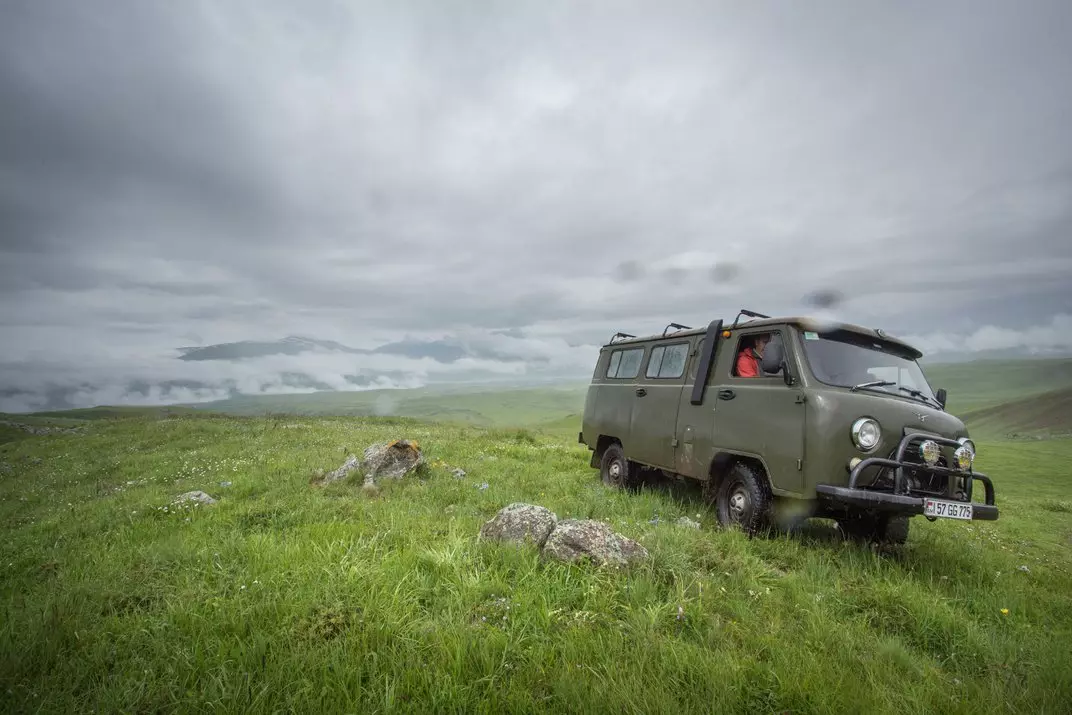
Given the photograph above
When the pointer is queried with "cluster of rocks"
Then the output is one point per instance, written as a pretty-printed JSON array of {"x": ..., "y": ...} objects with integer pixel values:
[
  {"x": 571, "y": 540},
  {"x": 388, "y": 460}
]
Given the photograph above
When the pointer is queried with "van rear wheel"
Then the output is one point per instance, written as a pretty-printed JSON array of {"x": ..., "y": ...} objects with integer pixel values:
[
  {"x": 744, "y": 500},
  {"x": 616, "y": 471}
]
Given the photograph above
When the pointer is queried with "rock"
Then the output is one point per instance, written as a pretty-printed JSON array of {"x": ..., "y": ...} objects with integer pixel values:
[
  {"x": 458, "y": 473},
  {"x": 577, "y": 539},
  {"x": 392, "y": 460},
  {"x": 687, "y": 523},
  {"x": 520, "y": 523},
  {"x": 1025, "y": 569},
  {"x": 348, "y": 466},
  {"x": 195, "y": 496}
]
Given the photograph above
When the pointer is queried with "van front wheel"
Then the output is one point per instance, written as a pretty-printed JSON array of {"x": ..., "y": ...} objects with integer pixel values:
[{"x": 744, "y": 500}]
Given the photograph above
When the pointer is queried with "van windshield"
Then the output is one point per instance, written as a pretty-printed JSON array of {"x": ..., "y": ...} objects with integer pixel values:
[{"x": 846, "y": 359}]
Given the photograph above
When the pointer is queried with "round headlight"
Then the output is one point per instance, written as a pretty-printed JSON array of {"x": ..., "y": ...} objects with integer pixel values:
[
  {"x": 929, "y": 451},
  {"x": 968, "y": 444},
  {"x": 866, "y": 433},
  {"x": 963, "y": 457}
]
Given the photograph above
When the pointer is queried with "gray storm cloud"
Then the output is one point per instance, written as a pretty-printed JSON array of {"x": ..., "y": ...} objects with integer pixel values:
[{"x": 364, "y": 171}]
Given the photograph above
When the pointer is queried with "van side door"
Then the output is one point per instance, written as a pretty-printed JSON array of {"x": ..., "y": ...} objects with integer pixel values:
[
  {"x": 761, "y": 417},
  {"x": 658, "y": 392}
]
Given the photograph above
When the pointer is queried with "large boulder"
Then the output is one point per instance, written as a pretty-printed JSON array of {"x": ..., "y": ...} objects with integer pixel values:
[
  {"x": 580, "y": 539},
  {"x": 520, "y": 523},
  {"x": 392, "y": 460}
]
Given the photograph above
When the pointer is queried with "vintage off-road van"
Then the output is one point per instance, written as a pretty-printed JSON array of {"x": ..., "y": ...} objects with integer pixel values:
[{"x": 838, "y": 422}]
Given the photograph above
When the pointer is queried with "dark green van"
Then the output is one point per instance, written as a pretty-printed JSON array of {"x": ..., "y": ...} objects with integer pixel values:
[{"x": 838, "y": 421}]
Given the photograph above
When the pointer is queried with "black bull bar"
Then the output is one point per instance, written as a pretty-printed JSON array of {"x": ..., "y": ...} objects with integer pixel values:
[{"x": 900, "y": 499}]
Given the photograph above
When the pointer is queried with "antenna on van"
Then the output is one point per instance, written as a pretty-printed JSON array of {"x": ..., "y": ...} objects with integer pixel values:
[
  {"x": 621, "y": 335},
  {"x": 749, "y": 313},
  {"x": 679, "y": 326}
]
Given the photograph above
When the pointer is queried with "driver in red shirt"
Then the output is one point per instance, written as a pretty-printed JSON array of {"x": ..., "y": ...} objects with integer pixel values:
[{"x": 748, "y": 359}]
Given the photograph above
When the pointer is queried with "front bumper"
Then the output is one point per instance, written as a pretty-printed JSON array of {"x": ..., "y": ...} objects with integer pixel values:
[{"x": 900, "y": 500}]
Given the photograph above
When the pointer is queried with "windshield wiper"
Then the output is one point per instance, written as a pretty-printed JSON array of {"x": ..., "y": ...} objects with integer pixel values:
[
  {"x": 919, "y": 394},
  {"x": 875, "y": 383}
]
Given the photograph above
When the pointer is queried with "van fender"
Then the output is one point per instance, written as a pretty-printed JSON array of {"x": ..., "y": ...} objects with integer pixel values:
[{"x": 724, "y": 459}]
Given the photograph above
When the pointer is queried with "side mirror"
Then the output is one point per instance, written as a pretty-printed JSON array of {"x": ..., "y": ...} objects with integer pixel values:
[
  {"x": 940, "y": 396},
  {"x": 789, "y": 379}
]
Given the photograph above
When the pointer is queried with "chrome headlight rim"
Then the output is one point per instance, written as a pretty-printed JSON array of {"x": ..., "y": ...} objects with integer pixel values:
[
  {"x": 857, "y": 429},
  {"x": 967, "y": 443},
  {"x": 961, "y": 451}
]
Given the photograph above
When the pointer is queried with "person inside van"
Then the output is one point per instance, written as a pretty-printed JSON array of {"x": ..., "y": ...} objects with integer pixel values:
[{"x": 748, "y": 361}]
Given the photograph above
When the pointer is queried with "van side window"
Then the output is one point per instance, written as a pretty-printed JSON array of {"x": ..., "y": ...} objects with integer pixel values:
[
  {"x": 668, "y": 361},
  {"x": 625, "y": 364},
  {"x": 673, "y": 364},
  {"x": 654, "y": 361},
  {"x": 745, "y": 344},
  {"x": 615, "y": 360}
]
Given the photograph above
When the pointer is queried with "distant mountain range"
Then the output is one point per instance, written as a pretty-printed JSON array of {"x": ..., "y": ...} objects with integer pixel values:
[{"x": 443, "y": 351}]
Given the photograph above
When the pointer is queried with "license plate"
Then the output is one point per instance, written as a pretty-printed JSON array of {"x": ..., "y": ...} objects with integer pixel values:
[{"x": 947, "y": 509}]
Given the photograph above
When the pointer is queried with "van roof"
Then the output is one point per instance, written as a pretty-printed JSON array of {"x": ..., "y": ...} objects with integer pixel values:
[{"x": 803, "y": 322}]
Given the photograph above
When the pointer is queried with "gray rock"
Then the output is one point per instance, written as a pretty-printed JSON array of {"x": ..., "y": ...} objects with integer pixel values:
[
  {"x": 348, "y": 466},
  {"x": 520, "y": 523},
  {"x": 687, "y": 523},
  {"x": 579, "y": 539},
  {"x": 458, "y": 473},
  {"x": 195, "y": 496},
  {"x": 392, "y": 460}
]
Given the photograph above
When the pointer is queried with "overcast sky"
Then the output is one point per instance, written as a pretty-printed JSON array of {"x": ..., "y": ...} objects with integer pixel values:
[{"x": 185, "y": 173}]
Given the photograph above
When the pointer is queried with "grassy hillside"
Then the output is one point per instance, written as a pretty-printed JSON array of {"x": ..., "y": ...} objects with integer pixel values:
[
  {"x": 288, "y": 597},
  {"x": 1044, "y": 414},
  {"x": 984, "y": 383},
  {"x": 476, "y": 406}
]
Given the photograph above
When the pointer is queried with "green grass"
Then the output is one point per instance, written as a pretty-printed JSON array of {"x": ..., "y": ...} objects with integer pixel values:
[{"x": 290, "y": 597}]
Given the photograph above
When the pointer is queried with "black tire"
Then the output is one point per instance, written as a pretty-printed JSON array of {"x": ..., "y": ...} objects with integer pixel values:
[
  {"x": 744, "y": 500},
  {"x": 616, "y": 471},
  {"x": 875, "y": 529}
]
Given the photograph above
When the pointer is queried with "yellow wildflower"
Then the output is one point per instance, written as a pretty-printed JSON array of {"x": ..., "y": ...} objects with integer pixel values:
[{"x": 1004, "y": 611}]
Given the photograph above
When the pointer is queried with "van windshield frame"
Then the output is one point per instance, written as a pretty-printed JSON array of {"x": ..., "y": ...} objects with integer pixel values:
[{"x": 844, "y": 358}]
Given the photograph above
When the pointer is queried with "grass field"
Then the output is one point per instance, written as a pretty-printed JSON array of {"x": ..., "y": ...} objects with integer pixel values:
[{"x": 288, "y": 597}]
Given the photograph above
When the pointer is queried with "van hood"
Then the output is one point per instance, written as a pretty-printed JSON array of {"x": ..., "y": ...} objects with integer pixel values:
[{"x": 835, "y": 410}]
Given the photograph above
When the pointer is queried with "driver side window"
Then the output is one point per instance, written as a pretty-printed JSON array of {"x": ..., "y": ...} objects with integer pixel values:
[{"x": 768, "y": 364}]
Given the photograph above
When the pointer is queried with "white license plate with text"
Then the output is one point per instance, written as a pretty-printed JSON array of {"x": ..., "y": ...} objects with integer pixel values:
[{"x": 947, "y": 509}]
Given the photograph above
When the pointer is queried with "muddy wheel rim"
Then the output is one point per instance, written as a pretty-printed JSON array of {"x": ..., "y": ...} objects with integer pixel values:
[
  {"x": 739, "y": 504},
  {"x": 614, "y": 472}
]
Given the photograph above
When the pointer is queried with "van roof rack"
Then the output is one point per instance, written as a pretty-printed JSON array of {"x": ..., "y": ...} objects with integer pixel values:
[
  {"x": 749, "y": 313},
  {"x": 621, "y": 335},
  {"x": 678, "y": 326}
]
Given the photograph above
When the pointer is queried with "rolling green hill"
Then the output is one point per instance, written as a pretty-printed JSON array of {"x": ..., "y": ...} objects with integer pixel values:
[
  {"x": 477, "y": 406},
  {"x": 1047, "y": 413},
  {"x": 976, "y": 390},
  {"x": 984, "y": 383}
]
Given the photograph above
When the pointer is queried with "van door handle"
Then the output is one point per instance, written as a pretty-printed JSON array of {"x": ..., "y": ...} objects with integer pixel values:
[
  {"x": 726, "y": 394},
  {"x": 640, "y": 391}
]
